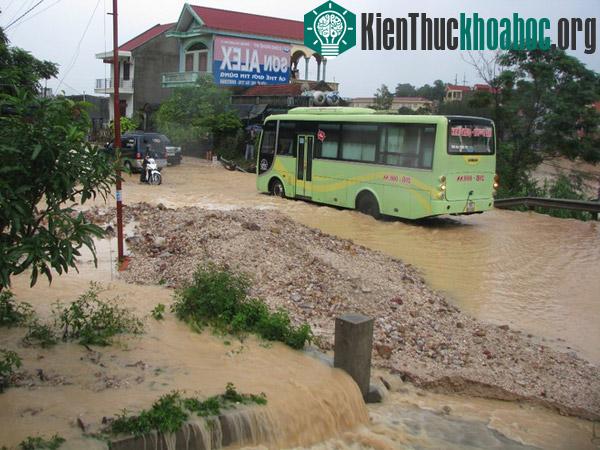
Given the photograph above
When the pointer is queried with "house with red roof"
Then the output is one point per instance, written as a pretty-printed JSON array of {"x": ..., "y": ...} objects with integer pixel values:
[
  {"x": 239, "y": 50},
  {"x": 142, "y": 61},
  {"x": 455, "y": 93}
]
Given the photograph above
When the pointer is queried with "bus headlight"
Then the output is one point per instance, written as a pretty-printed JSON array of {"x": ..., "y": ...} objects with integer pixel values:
[
  {"x": 440, "y": 195},
  {"x": 442, "y": 187},
  {"x": 443, "y": 179}
]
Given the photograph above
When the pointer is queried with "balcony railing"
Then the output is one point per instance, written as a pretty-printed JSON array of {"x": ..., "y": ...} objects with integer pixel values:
[
  {"x": 106, "y": 84},
  {"x": 174, "y": 79}
]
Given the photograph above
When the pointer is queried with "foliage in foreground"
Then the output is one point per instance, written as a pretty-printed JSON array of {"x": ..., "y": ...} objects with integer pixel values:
[
  {"x": 171, "y": 411},
  {"x": 13, "y": 313},
  {"x": 40, "y": 334},
  {"x": 158, "y": 312},
  {"x": 39, "y": 443},
  {"x": 219, "y": 297},
  {"x": 94, "y": 321},
  {"x": 9, "y": 361},
  {"x": 47, "y": 167}
]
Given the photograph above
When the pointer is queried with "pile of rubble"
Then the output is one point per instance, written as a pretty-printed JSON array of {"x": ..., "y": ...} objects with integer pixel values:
[{"x": 317, "y": 277}]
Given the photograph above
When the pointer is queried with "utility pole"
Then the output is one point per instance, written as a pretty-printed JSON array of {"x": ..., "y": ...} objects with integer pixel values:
[{"x": 117, "y": 127}]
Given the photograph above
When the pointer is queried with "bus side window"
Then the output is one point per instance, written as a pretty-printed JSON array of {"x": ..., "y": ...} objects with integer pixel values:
[
  {"x": 409, "y": 145},
  {"x": 427, "y": 146},
  {"x": 359, "y": 142},
  {"x": 328, "y": 139},
  {"x": 267, "y": 145},
  {"x": 286, "y": 139}
]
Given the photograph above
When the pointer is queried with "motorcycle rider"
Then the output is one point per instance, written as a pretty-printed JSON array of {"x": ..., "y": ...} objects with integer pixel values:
[{"x": 147, "y": 155}]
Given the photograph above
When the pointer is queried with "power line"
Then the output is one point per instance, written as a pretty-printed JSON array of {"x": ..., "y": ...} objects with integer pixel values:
[
  {"x": 24, "y": 14},
  {"x": 39, "y": 12},
  {"x": 78, "y": 48}
]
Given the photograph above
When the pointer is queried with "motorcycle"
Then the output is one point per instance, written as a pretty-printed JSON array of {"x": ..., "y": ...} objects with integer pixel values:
[{"x": 153, "y": 175}]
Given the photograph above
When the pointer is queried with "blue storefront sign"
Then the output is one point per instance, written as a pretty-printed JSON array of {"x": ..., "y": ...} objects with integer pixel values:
[{"x": 247, "y": 62}]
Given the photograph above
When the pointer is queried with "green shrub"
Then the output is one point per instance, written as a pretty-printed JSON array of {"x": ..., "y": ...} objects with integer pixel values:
[
  {"x": 9, "y": 361},
  {"x": 94, "y": 321},
  {"x": 39, "y": 443},
  {"x": 218, "y": 297},
  {"x": 212, "y": 297},
  {"x": 40, "y": 334},
  {"x": 158, "y": 312},
  {"x": 13, "y": 313},
  {"x": 171, "y": 411}
]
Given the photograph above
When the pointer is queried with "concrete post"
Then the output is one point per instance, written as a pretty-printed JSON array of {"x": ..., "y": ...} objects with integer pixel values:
[
  {"x": 353, "y": 346},
  {"x": 318, "y": 70},
  {"x": 306, "y": 60},
  {"x": 324, "y": 68}
]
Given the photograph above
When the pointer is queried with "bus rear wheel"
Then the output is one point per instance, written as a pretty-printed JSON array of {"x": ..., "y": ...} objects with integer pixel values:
[
  {"x": 367, "y": 204},
  {"x": 277, "y": 188}
]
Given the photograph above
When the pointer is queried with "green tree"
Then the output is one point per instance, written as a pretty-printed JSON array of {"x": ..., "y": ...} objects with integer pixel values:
[
  {"x": 47, "y": 168},
  {"x": 19, "y": 69},
  {"x": 196, "y": 112},
  {"x": 405, "y": 90},
  {"x": 547, "y": 110},
  {"x": 436, "y": 93},
  {"x": 542, "y": 104},
  {"x": 383, "y": 98}
]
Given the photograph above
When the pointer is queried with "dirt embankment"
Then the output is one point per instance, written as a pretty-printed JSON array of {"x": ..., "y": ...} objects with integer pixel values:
[{"x": 317, "y": 277}]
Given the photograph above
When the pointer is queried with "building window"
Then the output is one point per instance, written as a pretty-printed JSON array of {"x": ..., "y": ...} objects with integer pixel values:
[
  {"x": 196, "y": 58},
  {"x": 126, "y": 70}
]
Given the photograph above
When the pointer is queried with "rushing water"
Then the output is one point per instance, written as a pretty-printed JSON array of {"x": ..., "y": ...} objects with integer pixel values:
[
  {"x": 534, "y": 272},
  {"x": 307, "y": 400}
]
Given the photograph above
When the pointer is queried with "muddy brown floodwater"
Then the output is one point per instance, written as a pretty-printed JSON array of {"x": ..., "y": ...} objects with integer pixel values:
[{"x": 534, "y": 272}]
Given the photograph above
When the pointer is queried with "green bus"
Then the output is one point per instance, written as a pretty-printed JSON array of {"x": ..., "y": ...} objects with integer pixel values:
[{"x": 380, "y": 164}]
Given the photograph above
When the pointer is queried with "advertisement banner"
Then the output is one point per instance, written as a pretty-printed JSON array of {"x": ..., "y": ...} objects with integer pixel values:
[{"x": 246, "y": 62}]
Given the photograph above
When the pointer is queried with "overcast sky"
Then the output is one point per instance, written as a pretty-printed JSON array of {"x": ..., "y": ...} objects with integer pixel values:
[{"x": 55, "y": 31}]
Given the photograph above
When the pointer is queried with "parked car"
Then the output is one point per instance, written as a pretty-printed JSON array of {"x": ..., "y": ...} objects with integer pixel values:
[
  {"x": 173, "y": 154},
  {"x": 134, "y": 145}
]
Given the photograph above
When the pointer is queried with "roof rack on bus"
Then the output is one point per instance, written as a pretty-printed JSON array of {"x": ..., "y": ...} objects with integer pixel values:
[{"x": 330, "y": 110}]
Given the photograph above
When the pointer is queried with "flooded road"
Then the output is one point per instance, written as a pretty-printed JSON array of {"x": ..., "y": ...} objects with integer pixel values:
[
  {"x": 530, "y": 271},
  {"x": 493, "y": 266}
]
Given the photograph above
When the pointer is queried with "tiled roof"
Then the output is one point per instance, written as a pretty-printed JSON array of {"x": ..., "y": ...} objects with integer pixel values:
[
  {"x": 141, "y": 39},
  {"x": 454, "y": 87},
  {"x": 220, "y": 19}
]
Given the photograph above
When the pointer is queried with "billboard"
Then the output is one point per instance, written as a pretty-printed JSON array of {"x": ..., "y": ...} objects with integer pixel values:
[{"x": 246, "y": 62}]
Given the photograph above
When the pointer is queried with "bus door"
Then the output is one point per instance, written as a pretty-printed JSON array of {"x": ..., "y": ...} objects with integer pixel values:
[{"x": 304, "y": 146}]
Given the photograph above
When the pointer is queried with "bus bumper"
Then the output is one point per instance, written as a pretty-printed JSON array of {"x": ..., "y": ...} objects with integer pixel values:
[{"x": 479, "y": 205}]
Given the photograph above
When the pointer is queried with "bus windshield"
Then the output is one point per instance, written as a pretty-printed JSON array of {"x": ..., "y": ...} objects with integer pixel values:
[{"x": 470, "y": 136}]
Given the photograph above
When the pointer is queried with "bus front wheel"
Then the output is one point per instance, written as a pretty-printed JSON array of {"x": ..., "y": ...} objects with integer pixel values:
[
  {"x": 367, "y": 204},
  {"x": 277, "y": 188}
]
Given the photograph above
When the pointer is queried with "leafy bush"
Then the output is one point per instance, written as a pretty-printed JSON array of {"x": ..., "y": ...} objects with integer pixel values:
[
  {"x": 158, "y": 312},
  {"x": 9, "y": 361},
  {"x": 170, "y": 411},
  {"x": 40, "y": 334},
  {"x": 94, "y": 321},
  {"x": 47, "y": 168},
  {"x": 13, "y": 313},
  {"x": 39, "y": 443},
  {"x": 219, "y": 297}
]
